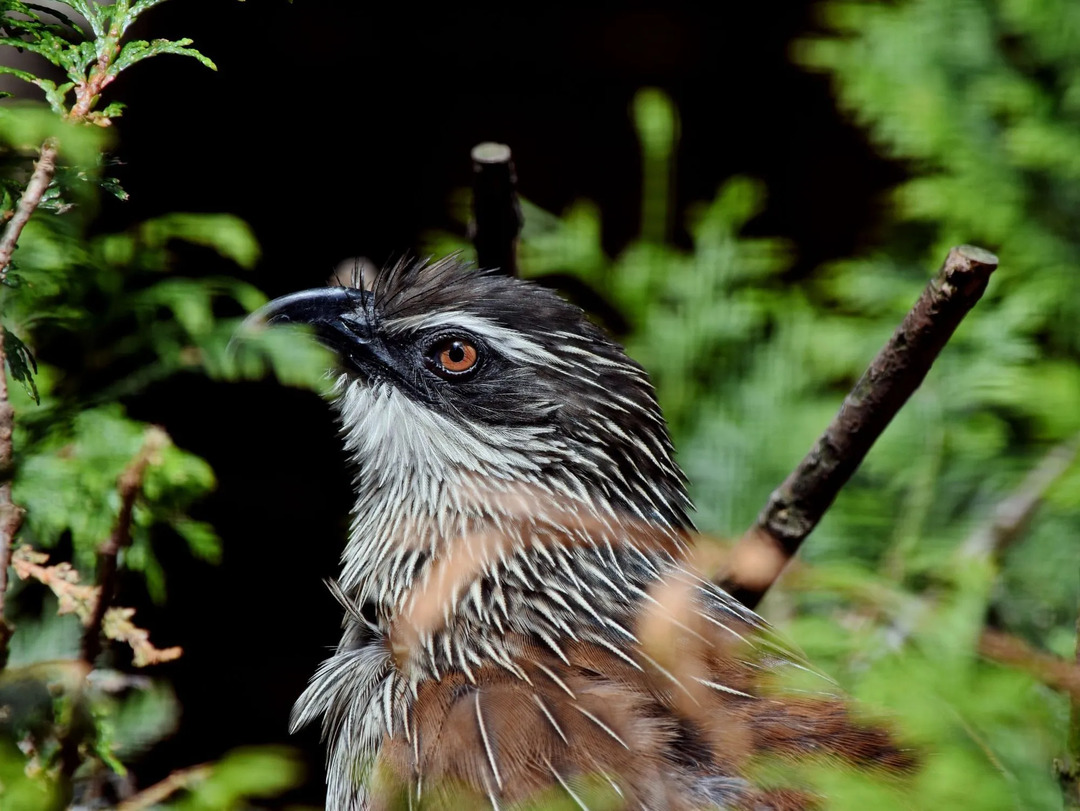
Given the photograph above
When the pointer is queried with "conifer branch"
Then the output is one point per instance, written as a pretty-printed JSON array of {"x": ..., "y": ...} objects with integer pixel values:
[{"x": 162, "y": 790}]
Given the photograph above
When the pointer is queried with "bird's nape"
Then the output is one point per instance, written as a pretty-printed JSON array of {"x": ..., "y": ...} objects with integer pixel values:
[{"x": 522, "y": 614}]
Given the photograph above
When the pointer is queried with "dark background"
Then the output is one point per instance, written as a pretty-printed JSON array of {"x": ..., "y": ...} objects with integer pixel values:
[{"x": 341, "y": 129}]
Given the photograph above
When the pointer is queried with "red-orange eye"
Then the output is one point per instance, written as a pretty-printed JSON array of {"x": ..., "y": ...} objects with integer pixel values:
[{"x": 455, "y": 356}]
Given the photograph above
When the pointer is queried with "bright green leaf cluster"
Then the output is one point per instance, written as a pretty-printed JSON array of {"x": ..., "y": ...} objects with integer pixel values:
[
  {"x": 242, "y": 773},
  {"x": 91, "y": 60}
]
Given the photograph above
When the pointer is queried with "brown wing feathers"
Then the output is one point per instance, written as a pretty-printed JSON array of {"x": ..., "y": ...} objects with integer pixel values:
[{"x": 507, "y": 738}]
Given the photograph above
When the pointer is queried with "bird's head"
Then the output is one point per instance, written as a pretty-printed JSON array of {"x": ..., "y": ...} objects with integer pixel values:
[{"x": 449, "y": 372}]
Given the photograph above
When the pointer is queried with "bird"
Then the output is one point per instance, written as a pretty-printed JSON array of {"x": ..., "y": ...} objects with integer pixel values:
[{"x": 523, "y": 620}]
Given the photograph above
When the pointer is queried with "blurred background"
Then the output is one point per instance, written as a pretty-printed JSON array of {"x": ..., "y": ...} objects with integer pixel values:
[{"x": 750, "y": 196}]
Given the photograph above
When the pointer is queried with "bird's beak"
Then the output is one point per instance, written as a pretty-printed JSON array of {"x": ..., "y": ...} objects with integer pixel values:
[{"x": 338, "y": 315}]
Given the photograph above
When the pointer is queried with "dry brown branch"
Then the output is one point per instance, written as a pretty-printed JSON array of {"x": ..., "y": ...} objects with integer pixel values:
[
  {"x": 796, "y": 507},
  {"x": 1012, "y": 515},
  {"x": 44, "y": 169},
  {"x": 129, "y": 485},
  {"x": 11, "y": 515},
  {"x": 1068, "y": 768},
  {"x": 83, "y": 601},
  {"x": 161, "y": 791},
  {"x": 496, "y": 213},
  {"x": 1053, "y": 671},
  {"x": 62, "y": 579},
  {"x": 117, "y": 625}
]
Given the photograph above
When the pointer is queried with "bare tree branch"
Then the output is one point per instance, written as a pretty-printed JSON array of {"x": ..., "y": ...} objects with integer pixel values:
[
  {"x": 796, "y": 507},
  {"x": 496, "y": 212},
  {"x": 1069, "y": 768},
  {"x": 161, "y": 791},
  {"x": 1053, "y": 671},
  {"x": 11, "y": 515},
  {"x": 44, "y": 169},
  {"x": 129, "y": 485}
]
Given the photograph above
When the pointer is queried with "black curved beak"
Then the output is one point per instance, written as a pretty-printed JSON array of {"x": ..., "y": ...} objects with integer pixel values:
[
  {"x": 340, "y": 317},
  {"x": 335, "y": 313}
]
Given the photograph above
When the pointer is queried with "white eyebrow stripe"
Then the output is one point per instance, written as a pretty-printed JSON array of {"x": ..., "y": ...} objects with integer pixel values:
[{"x": 508, "y": 342}]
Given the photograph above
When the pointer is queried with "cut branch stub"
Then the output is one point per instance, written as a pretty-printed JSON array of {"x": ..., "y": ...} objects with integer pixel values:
[
  {"x": 796, "y": 507},
  {"x": 496, "y": 212}
]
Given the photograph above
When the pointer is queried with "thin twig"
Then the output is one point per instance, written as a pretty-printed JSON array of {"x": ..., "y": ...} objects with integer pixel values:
[
  {"x": 44, "y": 169},
  {"x": 496, "y": 212},
  {"x": 796, "y": 507},
  {"x": 1053, "y": 671},
  {"x": 1068, "y": 768},
  {"x": 11, "y": 515},
  {"x": 1012, "y": 515},
  {"x": 129, "y": 485},
  {"x": 157, "y": 793},
  {"x": 1009, "y": 520}
]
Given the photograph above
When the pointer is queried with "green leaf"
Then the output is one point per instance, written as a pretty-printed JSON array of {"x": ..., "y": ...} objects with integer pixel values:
[
  {"x": 295, "y": 358},
  {"x": 143, "y": 717},
  {"x": 202, "y": 539},
  {"x": 177, "y": 480},
  {"x": 138, "y": 50},
  {"x": 94, "y": 13},
  {"x": 47, "y": 50},
  {"x": 656, "y": 122},
  {"x": 30, "y": 78},
  {"x": 114, "y": 110},
  {"x": 142, "y": 5},
  {"x": 225, "y": 233},
  {"x": 243, "y": 773},
  {"x": 113, "y": 187},
  {"x": 27, "y": 126},
  {"x": 22, "y": 788},
  {"x": 58, "y": 14},
  {"x": 21, "y": 363}
]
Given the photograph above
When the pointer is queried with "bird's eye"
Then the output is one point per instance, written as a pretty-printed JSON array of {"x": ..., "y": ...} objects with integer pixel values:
[{"x": 454, "y": 357}]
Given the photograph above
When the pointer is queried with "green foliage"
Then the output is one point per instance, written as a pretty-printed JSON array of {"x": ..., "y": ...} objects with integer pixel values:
[
  {"x": 242, "y": 774},
  {"x": 133, "y": 323},
  {"x": 20, "y": 789},
  {"x": 986, "y": 107},
  {"x": 113, "y": 311},
  {"x": 89, "y": 59},
  {"x": 750, "y": 368},
  {"x": 979, "y": 98},
  {"x": 67, "y": 484}
]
